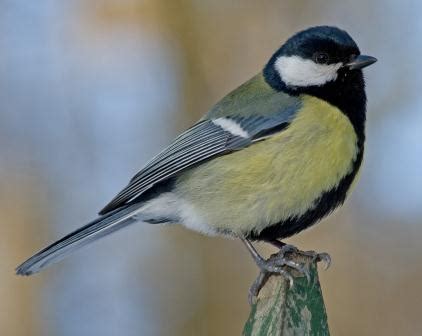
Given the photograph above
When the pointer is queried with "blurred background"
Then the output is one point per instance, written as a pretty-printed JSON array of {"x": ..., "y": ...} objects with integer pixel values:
[{"x": 90, "y": 90}]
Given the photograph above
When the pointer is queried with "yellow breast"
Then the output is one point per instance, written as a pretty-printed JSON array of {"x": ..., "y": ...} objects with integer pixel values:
[{"x": 277, "y": 178}]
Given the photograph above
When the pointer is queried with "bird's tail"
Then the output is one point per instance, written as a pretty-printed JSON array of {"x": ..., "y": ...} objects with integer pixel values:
[{"x": 94, "y": 230}]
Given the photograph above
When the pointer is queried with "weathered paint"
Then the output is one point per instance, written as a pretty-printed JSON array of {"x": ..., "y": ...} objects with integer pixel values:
[{"x": 283, "y": 311}]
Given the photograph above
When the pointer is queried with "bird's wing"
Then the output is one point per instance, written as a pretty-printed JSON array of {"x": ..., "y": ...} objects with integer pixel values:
[{"x": 205, "y": 140}]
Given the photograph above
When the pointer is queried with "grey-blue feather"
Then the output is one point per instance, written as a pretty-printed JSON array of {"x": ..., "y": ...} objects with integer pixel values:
[
  {"x": 255, "y": 108},
  {"x": 98, "y": 228},
  {"x": 251, "y": 113}
]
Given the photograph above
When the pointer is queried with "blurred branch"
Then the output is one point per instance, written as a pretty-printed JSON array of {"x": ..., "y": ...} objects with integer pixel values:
[{"x": 280, "y": 310}]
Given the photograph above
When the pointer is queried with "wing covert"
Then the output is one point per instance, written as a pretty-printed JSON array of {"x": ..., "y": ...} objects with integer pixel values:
[
  {"x": 201, "y": 142},
  {"x": 251, "y": 113}
]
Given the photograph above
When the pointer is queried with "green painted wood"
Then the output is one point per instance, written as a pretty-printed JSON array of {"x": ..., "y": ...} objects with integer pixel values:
[{"x": 298, "y": 310}]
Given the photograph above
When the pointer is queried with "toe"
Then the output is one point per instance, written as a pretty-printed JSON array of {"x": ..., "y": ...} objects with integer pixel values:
[{"x": 325, "y": 258}]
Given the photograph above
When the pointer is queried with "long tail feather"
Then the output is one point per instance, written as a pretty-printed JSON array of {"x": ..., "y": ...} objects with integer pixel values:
[{"x": 94, "y": 230}]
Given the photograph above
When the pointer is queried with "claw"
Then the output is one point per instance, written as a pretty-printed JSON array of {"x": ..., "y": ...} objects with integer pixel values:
[
  {"x": 302, "y": 269},
  {"x": 325, "y": 259},
  {"x": 298, "y": 267},
  {"x": 256, "y": 287},
  {"x": 287, "y": 276}
]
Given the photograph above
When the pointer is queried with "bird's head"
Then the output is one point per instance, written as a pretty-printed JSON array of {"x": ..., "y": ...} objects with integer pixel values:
[{"x": 317, "y": 59}]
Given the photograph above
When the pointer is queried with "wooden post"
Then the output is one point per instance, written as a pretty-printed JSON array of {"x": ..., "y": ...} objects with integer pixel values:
[{"x": 283, "y": 311}]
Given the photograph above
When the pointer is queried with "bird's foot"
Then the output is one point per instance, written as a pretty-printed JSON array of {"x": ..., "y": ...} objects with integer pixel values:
[
  {"x": 322, "y": 256},
  {"x": 282, "y": 263},
  {"x": 318, "y": 257}
]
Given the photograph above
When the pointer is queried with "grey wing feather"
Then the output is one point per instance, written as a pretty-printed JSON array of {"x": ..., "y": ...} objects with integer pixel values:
[
  {"x": 260, "y": 126},
  {"x": 204, "y": 141},
  {"x": 96, "y": 229},
  {"x": 199, "y": 143}
]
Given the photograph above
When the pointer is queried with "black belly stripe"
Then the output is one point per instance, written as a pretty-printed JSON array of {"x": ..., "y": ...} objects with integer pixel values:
[
  {"x": 326, "y": 203},
  {"x": 348, "y": 94}
]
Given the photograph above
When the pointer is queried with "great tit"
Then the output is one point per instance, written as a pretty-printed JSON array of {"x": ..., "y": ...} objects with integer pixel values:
[{"x": 270, "y": 159}]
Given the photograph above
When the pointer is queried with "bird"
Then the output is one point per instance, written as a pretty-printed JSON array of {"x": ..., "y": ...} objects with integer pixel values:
[{"x": 270, "y": 159}]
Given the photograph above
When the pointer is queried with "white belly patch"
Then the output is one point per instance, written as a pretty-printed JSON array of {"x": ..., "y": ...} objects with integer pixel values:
[{"x": 177, "y": 210}]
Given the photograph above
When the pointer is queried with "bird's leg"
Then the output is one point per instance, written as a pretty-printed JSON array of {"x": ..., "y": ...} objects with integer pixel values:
[
  {"x": 277, "y": 264},
  {"x": 276, "y": 243}
]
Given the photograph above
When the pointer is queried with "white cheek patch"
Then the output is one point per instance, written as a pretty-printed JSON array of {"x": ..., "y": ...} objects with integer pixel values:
[
  {"x": 231, "y": 126},
  {"x": 297, "y": 71}
]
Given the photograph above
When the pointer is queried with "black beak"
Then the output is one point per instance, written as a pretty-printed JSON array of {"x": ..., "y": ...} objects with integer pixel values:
[{"x": 360, "y": 62}]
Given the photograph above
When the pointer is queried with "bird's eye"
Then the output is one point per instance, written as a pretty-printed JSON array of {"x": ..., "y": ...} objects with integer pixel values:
[{"x": 321, "y": 58}]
